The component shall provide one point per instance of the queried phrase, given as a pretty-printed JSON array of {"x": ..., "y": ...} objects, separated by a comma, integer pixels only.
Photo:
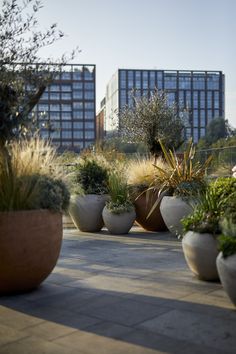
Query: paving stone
[
  {"x": 9, "y": 334},
  {"x": 197, "y": 328}
]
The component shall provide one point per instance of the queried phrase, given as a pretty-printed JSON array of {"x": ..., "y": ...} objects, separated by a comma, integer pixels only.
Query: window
[
  {"x": 54, "y": 88},
  {"x": 77, "y": 75},
  {"x": 54, "y": 115},
  {"x": 78, "y": 114},
  {"x": 152, "y": 83},
  {"x": 209, "y": 99},
  {"x": 89, "y": 125},
  {"x": 42, "y": 107},
  {"x": 78, "y": 134},
  {"x": 181, "y": 99},
  {"x": 185, "y": 82},
  {"x": 195, "y": 99},
  {"x": 89, "y": 105},
  {"x": 202, "y": 118},
  {"x": 145, "y": 79},
  {"x": 216, "y": 113},
  {"x": 138, "y": 79},
  {"x": 195, "y": 135},
  {"x": 159, "y": 80},
  {"x": 66, "y": 107},
  {"x": 216, "y": 100},
  {"x": 89, "y": 86},
  {"x": 66, "y": 134},
  {"x": 130, "y": 79},
  {"x": 66, "y": 115},
  {"x": 188, "y": 99},
  {"x": 89, "y": 134},
  {"x": 202, "y": 99},
  {"x": 89, "y": 114},
  {"x": 66, "y": 96},
  {"x": 89, "y": 95},
  {"x": 188, "y": 133},
  {"x": 78, "y": 105},
  {"x": 55, "y": 134},
  {"x": 88, "y": 73},
  {"x": 170, "y": 98},
  {"x": 66, "y": 125},
  {"x": 78, "y": 95},
  {"x": 78, "y": 125},
  {"x": 66, "y": 87},
  {"x": 54, "y": 96},
  {"x": 195, "y": 118},
  {"x": 213, "y": 82},
  {"x": 198, "y": 82},
  {"x": 77, "y": 85},
  {"x": 123, "y": 79},
  {"x": 202, "y": 132},
  {"x": 56, "y": 125},
  {"x": 66, "y": 76},
  {"x": 44, "y": 96},
  {"x": 54, "y": 107},
  {"x": 170, "y": 81}
]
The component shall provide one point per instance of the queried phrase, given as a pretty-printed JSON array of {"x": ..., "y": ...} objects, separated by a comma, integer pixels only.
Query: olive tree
[
  {"x": 150, "y": 119},
  {"x": 24, "y": 76}
]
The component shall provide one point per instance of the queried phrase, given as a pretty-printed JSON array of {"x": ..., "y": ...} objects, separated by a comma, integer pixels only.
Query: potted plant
[
  {"x": 89, "y": 194},
  {"x": 32, "y": 198},
  {"x": 226, "y": 260},
  {"x": 119, "y": 213},
  {"x": 202, "y": 228},
  {"x": 140, "y": 176},
  {"x": 179, "y": 182}
]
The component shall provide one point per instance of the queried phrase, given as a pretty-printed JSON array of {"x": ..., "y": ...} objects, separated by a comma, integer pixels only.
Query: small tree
[
  {"x": 23, "y": 74},
  {"x": 151, "y": 119}
]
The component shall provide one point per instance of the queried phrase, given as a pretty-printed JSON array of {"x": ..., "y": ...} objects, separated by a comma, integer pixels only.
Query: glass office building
[
  {"x": 199, "y": 95},
  {"x": 66, "y": 110}
]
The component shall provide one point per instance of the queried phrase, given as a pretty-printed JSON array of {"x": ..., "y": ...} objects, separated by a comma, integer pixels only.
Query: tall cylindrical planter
[
  {"x": 200, "y": 251},
  {"x": 86, "y": 212},
  {"x": 118, "y": 223},
  {"x": 227, "y": 273},
  {"x": 173, "y": 209},
  {"x": 143, "y": 206},
  {"x": 30, "y": 244}
]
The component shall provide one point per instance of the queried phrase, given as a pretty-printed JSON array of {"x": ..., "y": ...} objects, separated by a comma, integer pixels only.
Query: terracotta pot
[
  {"x": 143, "y": 206},
  {"x": 86, "y": 212},
  {"x": 227, "y": 272},
  {"x": 173, "y": 209},
  {"x": 200, "y": 251},
  {"x": 30, "y": 243},
  {"x": 118, "y": 223}
]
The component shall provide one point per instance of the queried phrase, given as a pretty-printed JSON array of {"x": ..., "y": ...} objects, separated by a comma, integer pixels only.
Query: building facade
[
  {"x": 199, "y": 95},
  {"x": 66, "y": 110},
  {"x": 100, "y": 119}
]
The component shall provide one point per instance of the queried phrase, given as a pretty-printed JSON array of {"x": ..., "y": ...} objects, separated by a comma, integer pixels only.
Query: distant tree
[
  {"x": 218, "y": 129},
  {"x": 23, "y": 75},
  {"x": 150, "y": 119}
]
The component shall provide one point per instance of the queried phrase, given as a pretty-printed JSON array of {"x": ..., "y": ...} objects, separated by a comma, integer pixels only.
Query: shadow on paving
[{"x": 127, "y": 290}]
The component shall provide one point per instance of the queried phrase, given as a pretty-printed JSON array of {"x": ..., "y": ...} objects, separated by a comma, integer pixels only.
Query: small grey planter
[
  {"x": 200, "y": 251},
  {"x": 86, "y": 212},
  {"x": 118, "y": 223},
  {"x": 173, "y": 209},
  {"x": 227, "y": 272}
]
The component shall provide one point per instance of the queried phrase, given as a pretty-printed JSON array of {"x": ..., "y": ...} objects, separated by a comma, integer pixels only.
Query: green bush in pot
[{"x": 89, "y": 188}]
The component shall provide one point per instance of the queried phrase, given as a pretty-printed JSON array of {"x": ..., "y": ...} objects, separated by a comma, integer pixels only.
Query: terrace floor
[{"x": 128, "y": 294}]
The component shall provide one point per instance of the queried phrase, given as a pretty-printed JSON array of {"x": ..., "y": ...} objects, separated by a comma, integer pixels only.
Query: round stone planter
[
  {"x": 173, "y": 209},
  {"x": 227, "y": 272},
  {"x": 118, "y": 223},
  {"x": 200, "y": 251},
  {"x": 30, "y": 243},
  {"x": 143, "y": 206},
  {"x": 86, "y": 212}
]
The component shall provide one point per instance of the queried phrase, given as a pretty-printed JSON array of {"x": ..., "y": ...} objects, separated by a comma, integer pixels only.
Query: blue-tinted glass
[
  {"x": 170, "y": 81},
  {"x": 130, "y": 79},
  {"x": 66, "y": 96},
  {"x": 170, "y": 98},
  {"x": 77, "y": 95},
  {"x": 202, "y": 132},
  {"x": 78, "y": 114},
  {"x": 78, "y": 134},
  {"x": 89, "y": 86},
  {"x": 89, "y": 95},
  {"x": 213, "y": 82},
  {"x": 66, "y": 107},
  {"x": 123, "y": 79},
  {"x": 181, "y": 99},
  {"x": 188, "y": 99},
  {"x": 202, "y": 118},
  {"x": 198, "y": 82},
  {"x": 66, "y": 125},
  {"x": 202, "y": 99},
  {"x": 66, "y": 76},
  {"x": 145, "y": 79},
  {"x": 195, "y": 135},
  {"x": 195, "y": 99},
  {"x": 77, "y": 75},
  {"x": 216, "y": 100},
  {"x": 185, "y": 82},
  {"x": 209, "y": 99}
]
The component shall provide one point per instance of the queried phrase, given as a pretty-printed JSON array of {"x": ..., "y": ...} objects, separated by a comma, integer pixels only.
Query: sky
[{"x": 150, "y": 34}]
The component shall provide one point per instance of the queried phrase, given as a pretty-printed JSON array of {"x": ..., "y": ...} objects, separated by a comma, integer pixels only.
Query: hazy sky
[{"x": 148, "y": 34}]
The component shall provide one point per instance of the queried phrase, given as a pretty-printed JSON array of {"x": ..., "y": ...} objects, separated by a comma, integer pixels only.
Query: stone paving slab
[{"x": 119, "y": 295}]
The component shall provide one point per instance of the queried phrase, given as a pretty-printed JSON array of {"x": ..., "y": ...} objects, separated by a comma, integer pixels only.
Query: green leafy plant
[
  {"x": 119, "y": 194},
  {"x": 210, "y": 208},
  {"x": 90, "y": 177},
  {"x": 183, "y": 176}
]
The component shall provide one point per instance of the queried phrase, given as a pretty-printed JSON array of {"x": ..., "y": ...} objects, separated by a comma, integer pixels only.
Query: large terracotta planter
[
  {"x": 118, "y": 223},
  {"x": 200, "y": 251},
  {"x": 143, "y": 206},
  {"x": 86, "y": 212},
  {"x": 30, "y": 243},
  {"x": 227, "y": 273},
  {"x": 173, "y": 209}
]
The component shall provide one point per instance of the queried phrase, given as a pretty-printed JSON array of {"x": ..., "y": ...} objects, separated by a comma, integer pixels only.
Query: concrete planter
[
  {"x": 30, "y": 243},
  {"x": 143, "y": 206},
  {"x": 86, "y": 212},
  {"x": 227, "y": 272},
  {"x": 118, "y": 223},
  {"x": 173, "y": 209},
  {"x": 200, "y": 251}
]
